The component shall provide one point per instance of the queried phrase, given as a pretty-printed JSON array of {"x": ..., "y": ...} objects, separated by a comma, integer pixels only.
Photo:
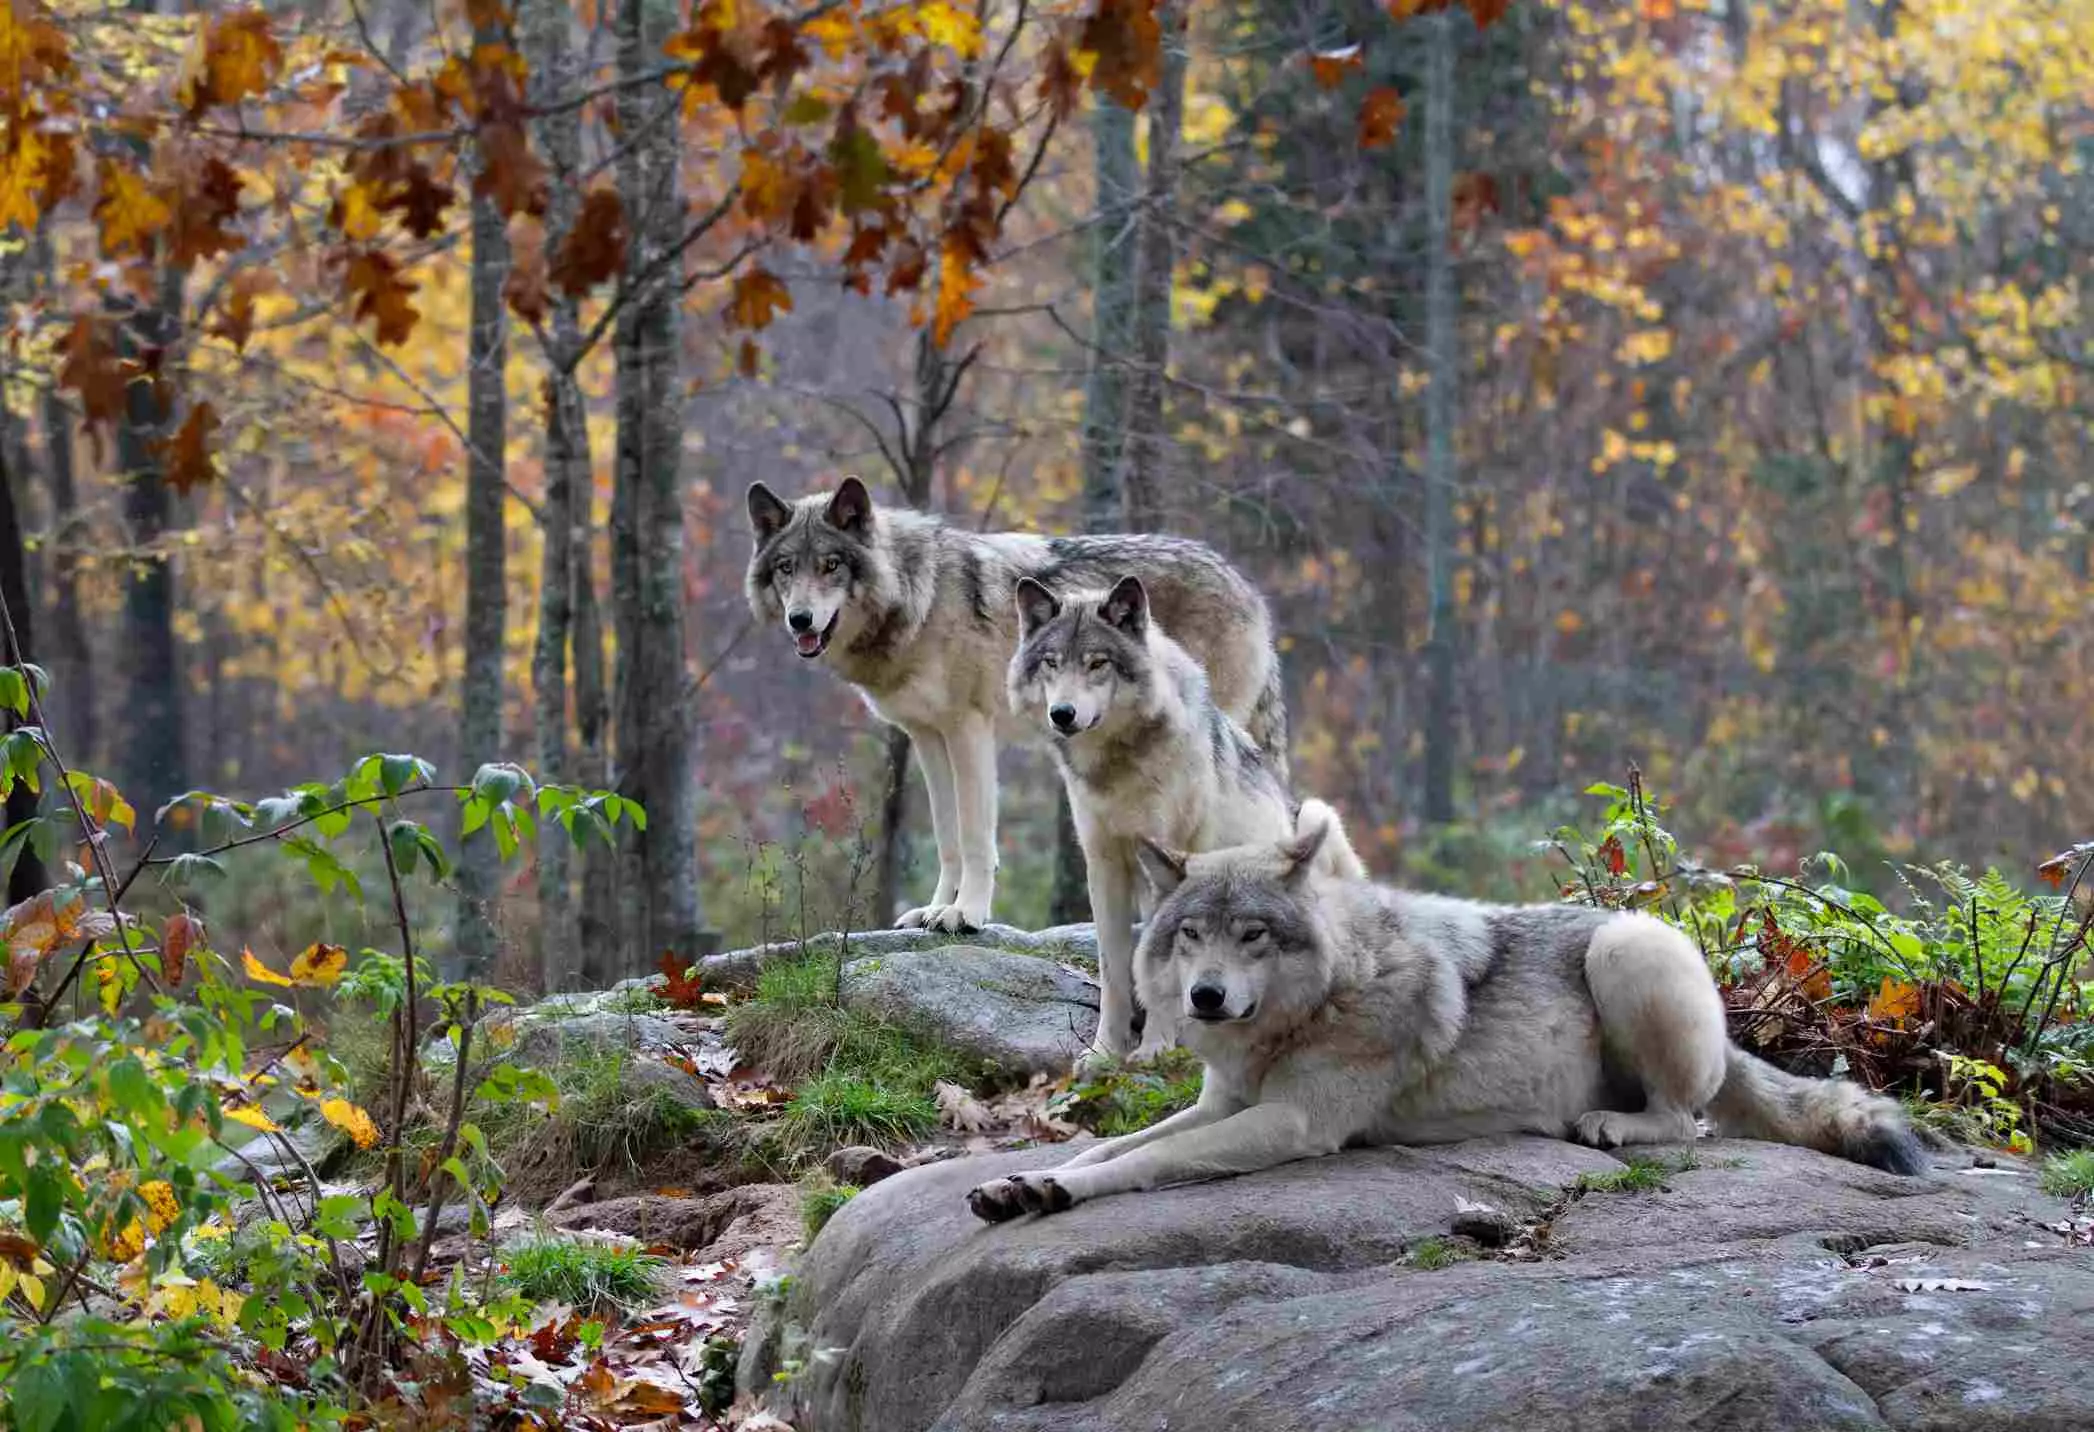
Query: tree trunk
[
  {"x": 551, "y": 52},
  {"x": 654, "y": 720},
  {"x": 1143, "y": 477},
  {"x": 479, "y": 876},
  {"x": 1440, "y": 476},
  {"x": 72, "y": 664},
  {"x": 150, "y": 764},
  {"x": 1114, "y": 230},
  {"x": 27, "y": 877}
]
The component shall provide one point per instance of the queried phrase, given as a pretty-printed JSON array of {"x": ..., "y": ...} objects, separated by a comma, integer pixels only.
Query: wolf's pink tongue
[{"x": 809, "y": 642}]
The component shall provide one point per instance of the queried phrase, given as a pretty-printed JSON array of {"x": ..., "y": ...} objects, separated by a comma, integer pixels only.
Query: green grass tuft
[
  {"x": 837, "y": 1109},
  {"x": 595, "y": 1276},
  {"x": 793, "y": 1028},
  {"x": 2070, "y": 1175},
  {"x": 1434, "y": 1254},
  {"x": 820, "y": 1197},
  {"x": 1643, "y": 1174},
  {"x": 1124, "y": 1098}
]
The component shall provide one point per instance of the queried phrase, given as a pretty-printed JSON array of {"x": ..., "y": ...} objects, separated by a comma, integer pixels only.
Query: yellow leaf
[
  {"x": 261, "y": 973},
  {"x": 1894, "y": 1000},
  {"x": 254, "y": 1119},
  {"x": 33, "y": 1289},
  {"x": 351, "y": 1120},
  {"x": 22, "y": 177},
  {"x": 162, "y": 1208},
  {"x": 8, "y": 1278},
  {"x": 956, "y": 283},
  {"x": 130, "y": 213},
  {"x": 948, "y": 25},
  {"x": 319, "y": 965}
]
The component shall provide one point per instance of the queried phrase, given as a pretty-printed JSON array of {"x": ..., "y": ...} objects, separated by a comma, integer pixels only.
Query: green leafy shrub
[
  {"x": 148, "y": 1073},
  {"x": 1975, "y": 993}
]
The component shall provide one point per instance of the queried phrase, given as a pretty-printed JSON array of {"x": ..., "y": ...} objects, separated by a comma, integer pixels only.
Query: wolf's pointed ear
[
  {"x": 1162, "y": 867},
  {"x": 1126, "y": 606},
  {"x": 851, "y": 509},
  {"x": 1298, "y": 856},
  {"x": 1036, "y": 606},
  {"x": 768, "y": 513}
]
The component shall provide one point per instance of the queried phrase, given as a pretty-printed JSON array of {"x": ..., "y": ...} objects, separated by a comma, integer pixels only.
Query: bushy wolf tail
[
  {"x": 1267, "y": 725},
  {"x": 1758, "y": 1101},
  {"x": 1335, "y": 856}
]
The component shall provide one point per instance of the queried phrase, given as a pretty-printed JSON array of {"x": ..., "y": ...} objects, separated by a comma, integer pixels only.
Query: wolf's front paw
[
  {"x": 996, "y": 1201},
  {"x": 1601, "y": 1128},
  {"x": 958, "y": 918}
]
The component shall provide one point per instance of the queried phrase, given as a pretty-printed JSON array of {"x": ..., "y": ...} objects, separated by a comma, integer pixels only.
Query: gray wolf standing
[
  {"x": 1145, "y": 754},
  {"x": 1331, "y": 1012},
  {"x": 921, "y": 617}
]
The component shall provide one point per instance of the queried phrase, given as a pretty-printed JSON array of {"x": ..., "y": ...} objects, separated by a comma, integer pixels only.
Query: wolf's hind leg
[{"x": 1662, "y": 1021}]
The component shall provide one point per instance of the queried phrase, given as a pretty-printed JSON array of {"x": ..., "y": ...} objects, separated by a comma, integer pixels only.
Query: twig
[{"x": 449, "y": 1146}]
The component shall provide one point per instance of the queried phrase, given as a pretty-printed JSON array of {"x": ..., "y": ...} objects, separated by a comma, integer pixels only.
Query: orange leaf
[
  {"x": 178, "y": 937},
  {"x": 1381, "y": 115},
  {"x": 1617, "y": 859},
  {"x": 1331, "y": 66},
  {"x": 382, "y": 294},
  {"x": 759, "y": 295},
  {"x": 240, "y": 58},
  {"x": 236, "y": 323},
  {"x": 594, "y": 250},
  {"x": 188, "y": 452},
  {"x": 1126, "y": 44},
  {"x": 525, "y": 288},
  {"x": 91, "y": 370}
]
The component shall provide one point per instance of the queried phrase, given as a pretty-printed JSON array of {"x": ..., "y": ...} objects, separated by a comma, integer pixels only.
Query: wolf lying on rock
[{"x": 1331, "y": 1012}]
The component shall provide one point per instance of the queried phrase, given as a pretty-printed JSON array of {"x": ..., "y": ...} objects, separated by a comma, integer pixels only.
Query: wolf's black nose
[
  {"x": 1063, "y": 717},
  {"x": 800, "y": 621},
  {"x": 1208, "y": 998}
]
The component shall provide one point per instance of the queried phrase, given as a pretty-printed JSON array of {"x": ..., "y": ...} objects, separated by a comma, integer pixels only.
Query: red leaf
[
  {"x": 684, "y": 990},
  {"x": 1331, "y": 66},
  {"x": 594, "y": 250},
  {"x": 1381, "y": 115},
  {"x": 188, "y": 452}
]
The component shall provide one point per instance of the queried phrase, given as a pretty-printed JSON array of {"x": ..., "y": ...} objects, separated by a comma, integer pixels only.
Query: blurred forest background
[{"x": 1704, "y": 384}]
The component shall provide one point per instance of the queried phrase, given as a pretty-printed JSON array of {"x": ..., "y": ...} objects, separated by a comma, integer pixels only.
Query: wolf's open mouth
[
  {"x": 1221, "y": 1016},
  {"x": 814, "y": 643}
]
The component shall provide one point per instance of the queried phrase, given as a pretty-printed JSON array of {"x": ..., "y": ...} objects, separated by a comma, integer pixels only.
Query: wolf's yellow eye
[
  {"x": 1097, "y": 664},
  {"x": 830, "y": 564},
  {"x": 1252, "y": 934},
  {"x": 1189, "y": 934},
  {"x": 784, "y": 568},
  {"x": 1050, "y": 663}
]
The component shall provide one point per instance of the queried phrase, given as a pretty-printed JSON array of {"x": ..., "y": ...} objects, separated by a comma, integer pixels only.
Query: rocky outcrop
[
  {"x": 737, "y": 969},
  {"x": 1766, "y": 1287},
  {"x": 1019, "y": 1013}
]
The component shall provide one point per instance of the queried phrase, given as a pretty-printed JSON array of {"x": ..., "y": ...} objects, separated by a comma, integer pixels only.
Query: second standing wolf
[
  {"x": 922, "y": 618},
  {"x": 1146, "y": 754}
]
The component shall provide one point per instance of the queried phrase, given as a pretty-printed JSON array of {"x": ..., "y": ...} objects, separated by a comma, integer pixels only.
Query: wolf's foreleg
[
  {"x": 1111, "y": 885},
  {"x": 971, "y": 743},
  {"x": 1259, "y": 1137},
  {"x": 932, "y": 757}
]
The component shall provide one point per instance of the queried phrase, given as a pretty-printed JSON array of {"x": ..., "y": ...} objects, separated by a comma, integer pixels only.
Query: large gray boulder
[
  {"x": 1767, "y": 1288},
  {"x": 738, "y": 969},
  {"x": 1019, "y": 1013}
]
